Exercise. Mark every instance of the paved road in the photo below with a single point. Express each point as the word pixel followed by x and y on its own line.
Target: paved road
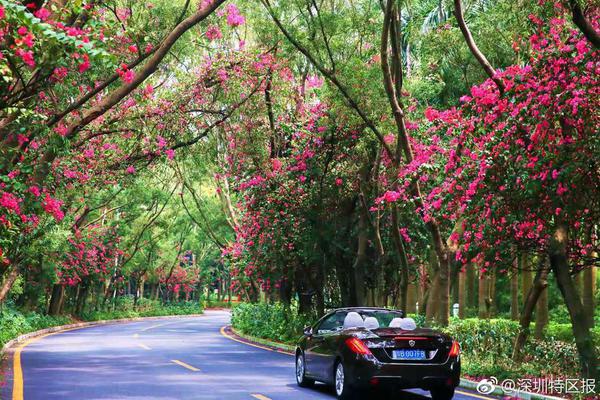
pixel 186 358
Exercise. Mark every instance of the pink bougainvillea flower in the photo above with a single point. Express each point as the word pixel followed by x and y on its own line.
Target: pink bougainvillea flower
pixel 276 164
pixel 61 129
pixel 42 14
pixel 52 206
pixel 391 196
pixel 234 18
pixel 213 32
pixel 85 65
pixel 10 202
pixel 314 82
pixel 35 191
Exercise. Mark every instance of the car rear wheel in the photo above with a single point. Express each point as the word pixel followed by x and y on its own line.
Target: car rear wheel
pixel 301 378
pixel 343 390
pixel 442 393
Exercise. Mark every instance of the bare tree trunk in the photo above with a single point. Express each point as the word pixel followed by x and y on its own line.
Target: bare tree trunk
pixel 58 292
pixel 579 321
pixel 583 24
pixel 539 284
pixel 399 244
pixel 359 262
pixel 411 298
pixel 471 280
pixel 526 275
pixel 589 290
pixel 483 61
pixel 9 280
pixel 82 295
pixel 578 281
pixel 483 295
pixel 541 314
pixel 491 296
pixel 462 295
pixel 514 292
pixel 433 304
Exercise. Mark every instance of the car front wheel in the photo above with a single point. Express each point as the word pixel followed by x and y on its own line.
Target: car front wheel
pixel 301 378
pixel 442 393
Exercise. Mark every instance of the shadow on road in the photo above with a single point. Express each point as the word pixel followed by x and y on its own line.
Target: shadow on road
pixel 371 395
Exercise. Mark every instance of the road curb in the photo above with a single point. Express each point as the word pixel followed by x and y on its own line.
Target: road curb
pixel 464 383
pixel 8 346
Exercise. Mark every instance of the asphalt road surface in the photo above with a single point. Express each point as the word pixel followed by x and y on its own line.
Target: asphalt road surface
pixel 186 358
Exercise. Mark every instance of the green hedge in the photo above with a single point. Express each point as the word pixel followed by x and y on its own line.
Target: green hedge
pixel 13 323
pixel 269 321
pixel 487 349
pixel 144 308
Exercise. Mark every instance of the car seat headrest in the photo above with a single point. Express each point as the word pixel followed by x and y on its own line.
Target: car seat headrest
pixel 371 323
pixel 353 320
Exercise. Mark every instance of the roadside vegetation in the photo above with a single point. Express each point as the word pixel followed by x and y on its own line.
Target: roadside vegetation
pixel 309 154
pixel 15 322
pixel 486 344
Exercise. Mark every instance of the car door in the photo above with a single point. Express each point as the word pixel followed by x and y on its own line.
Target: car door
pixel 319 351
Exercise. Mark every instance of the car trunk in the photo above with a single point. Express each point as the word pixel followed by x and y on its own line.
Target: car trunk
pixel 393 345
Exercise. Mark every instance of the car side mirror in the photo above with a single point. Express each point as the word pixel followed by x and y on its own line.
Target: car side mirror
pixel 308 331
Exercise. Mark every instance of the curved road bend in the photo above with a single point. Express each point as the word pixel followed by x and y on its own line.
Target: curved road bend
pixel 186 358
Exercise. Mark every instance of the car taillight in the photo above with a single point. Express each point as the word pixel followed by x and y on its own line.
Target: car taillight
pixel 454 350
pixel 358 346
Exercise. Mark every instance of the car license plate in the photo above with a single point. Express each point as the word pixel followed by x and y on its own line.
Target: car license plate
pixel 408 354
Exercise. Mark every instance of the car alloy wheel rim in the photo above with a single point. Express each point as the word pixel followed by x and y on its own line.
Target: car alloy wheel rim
pixel 339 379
pixel 299 369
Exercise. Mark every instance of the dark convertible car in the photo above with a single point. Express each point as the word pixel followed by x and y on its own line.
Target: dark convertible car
pixel 361 348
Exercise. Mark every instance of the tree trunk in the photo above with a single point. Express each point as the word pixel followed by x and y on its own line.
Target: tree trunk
pixel 455 272
pixel 491 297
pixel 483 61
pixel 589 290
pixel 483 295
pixel 539 284
pixel 411 298
pixel 444 293
pixel 514 292
pixel 471 282
pixel 541 314
pixel 578 282
pixel 58 292
pixel 579 320
pixel 358 269
pixel 432 305
pixel 583 24
pixel 82 298
pixel 9 280
pixel 399 244
pixel 525 275
pixel 462 295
